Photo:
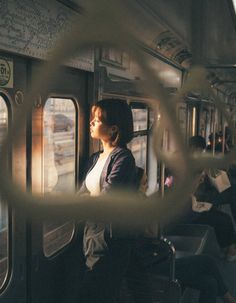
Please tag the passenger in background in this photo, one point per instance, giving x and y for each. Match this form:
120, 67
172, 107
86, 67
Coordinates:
111, 169
228, 196
218, 143
208, 214
199, 271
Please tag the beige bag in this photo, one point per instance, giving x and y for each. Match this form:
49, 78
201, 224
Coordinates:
219, 179
200, 207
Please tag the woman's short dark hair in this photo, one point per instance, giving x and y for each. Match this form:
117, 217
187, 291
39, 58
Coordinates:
118, 113
197, 142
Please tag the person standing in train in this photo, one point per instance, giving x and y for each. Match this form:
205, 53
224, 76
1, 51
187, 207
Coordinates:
111, 169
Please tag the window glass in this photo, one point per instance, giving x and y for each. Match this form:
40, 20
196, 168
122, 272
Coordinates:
204, 123
138, 146
153, 163
59, 163
140, 117
4, 229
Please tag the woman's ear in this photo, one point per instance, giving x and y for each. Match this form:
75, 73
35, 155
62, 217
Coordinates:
114, 135
114, 130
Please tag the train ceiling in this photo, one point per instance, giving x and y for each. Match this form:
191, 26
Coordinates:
183, 31
171, 27
187, 31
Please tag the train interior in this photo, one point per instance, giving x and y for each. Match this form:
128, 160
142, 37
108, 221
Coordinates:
174, 62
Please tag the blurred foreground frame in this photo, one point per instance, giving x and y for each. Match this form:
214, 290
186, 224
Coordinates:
101, 24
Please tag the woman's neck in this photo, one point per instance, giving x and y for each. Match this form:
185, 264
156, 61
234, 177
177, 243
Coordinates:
107, 147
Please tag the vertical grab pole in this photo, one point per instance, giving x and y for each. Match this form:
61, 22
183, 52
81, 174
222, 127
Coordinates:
172, 253
164, 147
214, 132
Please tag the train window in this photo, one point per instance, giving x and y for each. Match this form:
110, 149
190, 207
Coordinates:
59, 163
140, 118
204, 126
182, 118
139, 144
4, 229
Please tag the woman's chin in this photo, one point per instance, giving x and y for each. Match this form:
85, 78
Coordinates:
93, 136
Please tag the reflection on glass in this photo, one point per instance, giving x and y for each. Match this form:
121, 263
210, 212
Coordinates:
138, 146
4, 232
59, 165
140, 117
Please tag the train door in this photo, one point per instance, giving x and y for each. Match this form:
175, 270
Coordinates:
13, 246
57, 140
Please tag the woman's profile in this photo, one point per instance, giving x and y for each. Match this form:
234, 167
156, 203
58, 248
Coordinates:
110, 169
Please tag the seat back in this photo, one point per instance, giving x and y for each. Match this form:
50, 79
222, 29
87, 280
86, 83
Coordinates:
191, 239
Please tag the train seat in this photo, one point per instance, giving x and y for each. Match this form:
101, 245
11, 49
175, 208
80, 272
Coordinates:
191, 239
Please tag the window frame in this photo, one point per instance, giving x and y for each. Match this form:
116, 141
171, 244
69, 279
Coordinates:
8, 101
145, 132
77, 148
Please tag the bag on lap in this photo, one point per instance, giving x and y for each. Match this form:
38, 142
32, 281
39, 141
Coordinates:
219, 179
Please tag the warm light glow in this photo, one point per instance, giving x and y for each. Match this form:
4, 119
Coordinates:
194, 121
234, 4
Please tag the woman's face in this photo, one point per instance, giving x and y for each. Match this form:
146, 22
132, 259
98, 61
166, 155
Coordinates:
99, 130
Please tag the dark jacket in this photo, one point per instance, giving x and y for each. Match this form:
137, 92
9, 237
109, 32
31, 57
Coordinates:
118, 173
206, 192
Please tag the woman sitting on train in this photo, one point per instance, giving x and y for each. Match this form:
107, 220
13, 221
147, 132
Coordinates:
198, 271
111, 169
219, 220
228, 195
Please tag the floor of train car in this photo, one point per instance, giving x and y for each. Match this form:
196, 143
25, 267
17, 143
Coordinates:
228, 270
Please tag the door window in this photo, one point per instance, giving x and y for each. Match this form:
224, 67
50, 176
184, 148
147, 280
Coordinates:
59, 163
4, 222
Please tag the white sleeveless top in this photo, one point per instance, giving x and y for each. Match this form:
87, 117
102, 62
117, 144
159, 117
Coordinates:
92, 180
